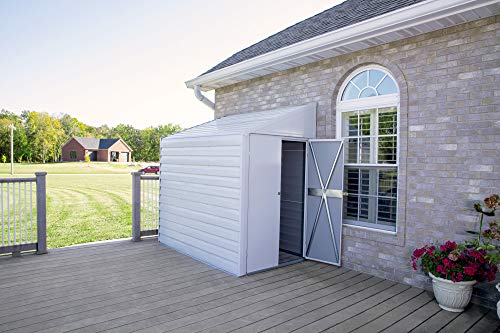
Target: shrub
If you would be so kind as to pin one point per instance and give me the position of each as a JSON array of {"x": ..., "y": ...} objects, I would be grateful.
[{"x": 4, "y": 159}]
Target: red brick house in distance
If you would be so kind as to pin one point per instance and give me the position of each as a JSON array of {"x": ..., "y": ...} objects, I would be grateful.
[{"x": 98, "y": 150}]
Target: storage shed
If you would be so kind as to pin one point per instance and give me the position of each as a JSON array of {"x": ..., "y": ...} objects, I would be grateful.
[{"x": 233, "y": 191}]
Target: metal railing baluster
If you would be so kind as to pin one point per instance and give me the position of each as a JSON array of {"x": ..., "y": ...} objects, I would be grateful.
[
  {"x": 145, "y": 205},
  {"x": 17, "y": 231}
]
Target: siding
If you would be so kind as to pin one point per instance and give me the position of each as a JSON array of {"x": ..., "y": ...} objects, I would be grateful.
[{"x": 200, "y": 198}]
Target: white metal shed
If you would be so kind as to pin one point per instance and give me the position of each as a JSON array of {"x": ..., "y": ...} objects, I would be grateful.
[{"x": 221, "y": 186}]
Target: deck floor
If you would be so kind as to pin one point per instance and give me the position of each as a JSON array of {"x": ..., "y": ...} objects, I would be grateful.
[{"x": 130, "y": 287}]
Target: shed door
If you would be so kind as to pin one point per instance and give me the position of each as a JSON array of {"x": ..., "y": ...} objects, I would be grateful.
[
  {"x": 263, "y": 202},
  {"x": 323, "y": 223}
]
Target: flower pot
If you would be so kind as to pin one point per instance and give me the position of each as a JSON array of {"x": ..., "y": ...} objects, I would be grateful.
[{"x": 452, "y": 296}]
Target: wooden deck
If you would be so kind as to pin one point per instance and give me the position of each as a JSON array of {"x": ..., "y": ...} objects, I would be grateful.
[{"x": 129, "y": 287}]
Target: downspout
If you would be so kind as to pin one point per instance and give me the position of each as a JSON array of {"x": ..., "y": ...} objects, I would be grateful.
[{"x": 202, "y": 98}]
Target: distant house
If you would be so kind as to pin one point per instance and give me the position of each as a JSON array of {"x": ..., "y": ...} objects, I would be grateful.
[{"x": 100, "y": 150}]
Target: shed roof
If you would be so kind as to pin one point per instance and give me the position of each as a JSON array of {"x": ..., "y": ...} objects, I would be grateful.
[
  {"x": 293, "y": 121},
  {"x": 339, "y": 16},
  {"x": 95, "y": 143}
]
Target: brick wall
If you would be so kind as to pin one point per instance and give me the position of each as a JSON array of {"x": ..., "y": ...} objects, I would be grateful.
[
  {"x": 103, "y": 155},
  {"x": 73, "y": 145},
  {"x": 449, "y": 147}
]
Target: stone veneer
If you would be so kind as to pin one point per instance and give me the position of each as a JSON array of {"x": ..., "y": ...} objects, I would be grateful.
[{"x": 449, "y": 146}]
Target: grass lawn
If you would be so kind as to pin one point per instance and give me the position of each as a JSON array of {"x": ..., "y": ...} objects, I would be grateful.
[
  {"x": 70, "y": 168},
  {"x": 88, "y": 208},
  {"x": 86, "y": 202}
]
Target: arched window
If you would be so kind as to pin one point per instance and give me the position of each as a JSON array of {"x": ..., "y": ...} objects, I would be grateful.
[{"x": 367, "y": 120}]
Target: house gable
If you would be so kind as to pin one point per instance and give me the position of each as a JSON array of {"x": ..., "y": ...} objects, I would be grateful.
[
  {"x": 413, "y": 18},
  {"x": 120, "y": 145},
  {"x": 71, "y": 141}
]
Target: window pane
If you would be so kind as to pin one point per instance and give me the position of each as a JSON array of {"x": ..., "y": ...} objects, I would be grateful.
[
  {"x": 387, "y": 86},
  {"x": 352, "y": 181},
  {"x": 387, "y": 150},
  {"x": 388, "y": 183},
  {"x": 351, "y": 151},
  {"x": 368, "y": 92},
  {"x": 350, "y": 124},
  {"x": 351, "y": 207},
  {"x": 365, "y": 123},
  {"x": 364, "y": 209},
  {"x": 364, "y": 186},
  {"x": 375, "y": 77},
  {"x": 350, "y": 92},
  {"x": 387, "y": 209},
  {"x": 387, "y": 121},
  {"x": 361, "y": 80},
  {"x": 365, "y": 150},
  {"x": 371, "y": 196}
]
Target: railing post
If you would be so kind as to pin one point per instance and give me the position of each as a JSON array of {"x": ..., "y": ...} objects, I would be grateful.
[
  {"x": 41, "y": 213},
  {"x": 136, "y": 206}
]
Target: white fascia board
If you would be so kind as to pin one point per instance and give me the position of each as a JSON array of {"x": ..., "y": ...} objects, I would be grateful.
[{"x": 403, "y": 18}]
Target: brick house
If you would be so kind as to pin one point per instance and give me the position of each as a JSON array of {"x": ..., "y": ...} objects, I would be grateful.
[
  {"x": 99, "y": 150},
  {"x": 411, "y": 87}
]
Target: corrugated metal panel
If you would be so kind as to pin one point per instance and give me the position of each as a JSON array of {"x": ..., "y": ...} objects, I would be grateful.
[{"x": 200, "y": 198}]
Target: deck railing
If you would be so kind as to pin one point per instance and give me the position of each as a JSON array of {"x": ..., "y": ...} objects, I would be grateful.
[
  {"x": 145, "y": 205},
  {"x": 23, "y": 214}
]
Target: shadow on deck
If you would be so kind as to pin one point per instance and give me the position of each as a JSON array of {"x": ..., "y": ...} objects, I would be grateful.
[{"x": 124, "y": 287}]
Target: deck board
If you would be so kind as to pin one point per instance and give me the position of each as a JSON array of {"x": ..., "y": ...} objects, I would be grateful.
[{"x": 145, "y": 287}]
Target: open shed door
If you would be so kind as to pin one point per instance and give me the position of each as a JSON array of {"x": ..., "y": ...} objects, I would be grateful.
[
  {"x": 263, "y": 226},
  {"x": 323, "y": 222}
]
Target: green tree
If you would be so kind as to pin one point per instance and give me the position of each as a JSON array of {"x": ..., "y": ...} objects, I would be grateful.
[
  {"x": 45, "y": 134},
  {"x": 151, "y": 137},
  {"x": 72, "y": 127},
  {"x": 20, "y": 140}
]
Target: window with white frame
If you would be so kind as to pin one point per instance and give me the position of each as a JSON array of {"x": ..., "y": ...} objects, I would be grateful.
[{"x": 367, "y": 116}]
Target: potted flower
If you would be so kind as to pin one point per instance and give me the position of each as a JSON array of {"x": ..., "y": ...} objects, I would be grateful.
[{"x": 454, "y": 269}]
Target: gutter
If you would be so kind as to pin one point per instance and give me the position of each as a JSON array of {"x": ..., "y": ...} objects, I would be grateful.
[
  {"x": 202, "y": 98},
  {"x": 404, "y": 18}
]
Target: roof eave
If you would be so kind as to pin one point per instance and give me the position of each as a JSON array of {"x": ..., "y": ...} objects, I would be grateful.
[{"x": 404, "y": 18}]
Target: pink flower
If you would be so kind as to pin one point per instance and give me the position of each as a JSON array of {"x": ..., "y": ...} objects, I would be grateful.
[
  {"x": 446, "y": 262},
  {"x": 470, "y": 270},
  {"x": 450, "y": 245},
  {"x": 452, "y": 257},
  {"x": 476, "y": 255},
  {"x": 440, "y": 269},
  {"x": 419, "y": 252}
]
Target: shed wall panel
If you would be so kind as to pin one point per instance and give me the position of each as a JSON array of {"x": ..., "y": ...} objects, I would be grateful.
[{"x": 200, "y": 198}]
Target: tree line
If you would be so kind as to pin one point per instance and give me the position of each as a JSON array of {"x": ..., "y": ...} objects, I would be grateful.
[{"x": 39, "y": 136}]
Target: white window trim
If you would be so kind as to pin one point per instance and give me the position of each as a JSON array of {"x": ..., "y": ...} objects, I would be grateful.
[{"x": 375, "y": 102}]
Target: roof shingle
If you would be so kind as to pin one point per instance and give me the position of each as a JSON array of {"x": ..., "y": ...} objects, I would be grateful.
[
  {"x": 94, "y": 143},
  {"x": 337, "y": 17}
]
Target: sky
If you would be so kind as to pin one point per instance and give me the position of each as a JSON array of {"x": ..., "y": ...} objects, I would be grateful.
[{"x": 125, "y": 61}]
